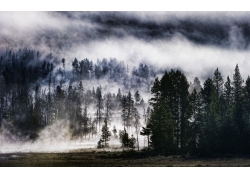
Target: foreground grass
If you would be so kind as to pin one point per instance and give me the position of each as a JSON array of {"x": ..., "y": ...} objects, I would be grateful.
[{"x": 94, "y": 158}]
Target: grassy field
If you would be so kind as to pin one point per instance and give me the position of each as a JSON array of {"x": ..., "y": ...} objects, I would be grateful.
[{"x": 93, "y": 158}]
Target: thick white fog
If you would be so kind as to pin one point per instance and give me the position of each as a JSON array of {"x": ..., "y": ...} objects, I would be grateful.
[{"x": 194, "y": 42}]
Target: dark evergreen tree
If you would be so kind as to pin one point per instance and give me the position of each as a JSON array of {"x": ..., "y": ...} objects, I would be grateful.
[
  {"x": 124, "y": 138},
  {"x": 105, "y": 136},
  {"x": 108, "y": 107},
  {"x": 161, "y": 126},
  {"x": 137, "y": 125},
  {"x": 237, "y": 96},
  {"x": 124, "y": 110},
  {"x": 197, "y": 123},
  {"x": 75, "y": 67},
  {"x": 131, "y": 142},
  {"x": 218, "y": 83},
  {"x": 99, "y": 105},
  {"x": 174, "y": 89},
  {"x": 137, "y": 97}
]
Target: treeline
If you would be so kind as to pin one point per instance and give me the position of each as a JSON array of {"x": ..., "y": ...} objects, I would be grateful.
[
  {"x": 184, "y": 118},
  {"x": 24, "y": 112},
  {"x": 34, "y": 94},
  {"x": 24, "y": 66},
  {"x": 213, "y": 119},
  {"x": 27, "y": 66},
  {"x": 112, "y": 70}
]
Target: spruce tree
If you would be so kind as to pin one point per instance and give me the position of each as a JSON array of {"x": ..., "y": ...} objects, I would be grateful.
[
  {"x": 137, "y": 97},
  {"x": 161, "y": 126},
  {"x": 237, "y": 102},
  {"x": 108, "y": 107},
  {"x": 228, "y": 92},
  {"x": 132, "y": 142},
  {"x": 218, "y": 83},
  {"x": 228, "y": 131},
  {"x": 173, "y": 88},
  {"x": 124, "y": 110},
  {"x": 124, "y": 138},
  {"x": 137, "y": 125},
  {"x": 246, "y": 101},
  {"x": 197, "y": 124},
  {"x": 105, "y": 137},
  {"x": 130, "y": 108},
  {"x": 99, "y": 105}
]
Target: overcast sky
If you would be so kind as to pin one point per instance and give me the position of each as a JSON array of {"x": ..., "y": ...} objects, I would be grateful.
[{"x": 196, "y": 42}]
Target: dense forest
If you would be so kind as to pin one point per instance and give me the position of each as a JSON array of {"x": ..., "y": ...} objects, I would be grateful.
[
  {"x": 35, "y": 94},
  {"x": 38, "y": 90}
]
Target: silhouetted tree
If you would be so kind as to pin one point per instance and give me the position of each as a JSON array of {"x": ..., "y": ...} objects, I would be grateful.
[{"x": 105, "y": 136}]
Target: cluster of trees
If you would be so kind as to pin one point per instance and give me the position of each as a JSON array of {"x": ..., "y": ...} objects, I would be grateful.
[
  {"x": 32, "y": 96},
  {"x": 183, "y": 118},
  {"x": 24, "y": 66},
  {"x": 130, "y": 119},
  {"x": 24, "y": 111},
  {"x": 112, "y": 70},
  {"x": 207, "y": 120},
  {"x": 126, "y": 141},
  {"x": 27, "y": 66}
]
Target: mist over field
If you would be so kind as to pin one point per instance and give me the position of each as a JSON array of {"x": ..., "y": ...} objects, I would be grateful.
[{"x": 45, "y": 109}]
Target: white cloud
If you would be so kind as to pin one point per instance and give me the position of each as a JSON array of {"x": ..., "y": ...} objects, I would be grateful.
[
  {"x": 22, "y": 28},
  {"x": 195, "y": 60}
]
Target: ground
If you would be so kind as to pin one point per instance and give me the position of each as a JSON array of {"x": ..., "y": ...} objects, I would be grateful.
[{"x": 94, "y": 158}]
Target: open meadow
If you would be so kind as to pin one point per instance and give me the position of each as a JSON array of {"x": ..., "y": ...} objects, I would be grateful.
[{"x": 93, "y": 158}]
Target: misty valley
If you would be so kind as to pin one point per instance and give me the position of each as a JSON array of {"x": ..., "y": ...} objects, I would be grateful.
[
  {"x": 46, "y": 107},
  {"x": 124, "y": 89},
  {"x": 49, "y": 107}
]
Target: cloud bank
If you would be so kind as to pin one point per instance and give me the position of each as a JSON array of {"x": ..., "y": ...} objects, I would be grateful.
[{"x": 195, "y": 42}]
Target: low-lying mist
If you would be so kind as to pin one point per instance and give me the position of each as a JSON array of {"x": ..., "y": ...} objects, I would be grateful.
[
  {"x": 57, "y": 138},
  {"x": 53, "y": 98}
]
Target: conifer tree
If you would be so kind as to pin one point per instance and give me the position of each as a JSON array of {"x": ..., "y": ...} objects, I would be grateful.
[
  {"x": 161, "y": 125},
  {"x": 124, "y": 110},
  {"x": 137, "y": 97},
  {"x": 174, "y": 89},
  {"x": 246, "y": 101},
  {"x": 137, "y": 125},
  {"x": 75, "y": 66},
  {"x": 130, "y": 108},
  {"x": 108, "y": 107},
  {"x": 228, "y": 91},
  {"x": 105, "y": 137},
  {"x": 218, "y": 83},
  {"x": 124, "y": 138},
  {"x": 228, "y": 130},
  {"x": 237, "y": 99},
  {"x": 119, "y": 98},
  {"x": 197, "y": 124},
  {"x": 99, "y": 105},
  {"x": 131, "y": 143}
]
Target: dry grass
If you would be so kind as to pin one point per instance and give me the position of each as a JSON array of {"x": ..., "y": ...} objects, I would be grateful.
[{"x": 93, "y": 158}]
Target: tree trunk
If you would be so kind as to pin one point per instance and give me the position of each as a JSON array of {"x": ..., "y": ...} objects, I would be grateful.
[
  {"x": 137, "y": 142},
  {"x": 148, "y": 143}
]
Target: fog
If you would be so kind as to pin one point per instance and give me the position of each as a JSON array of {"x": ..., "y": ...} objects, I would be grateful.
[
  {"x": 194, "y": 42},
  {"x": 56, "y": 138}
]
